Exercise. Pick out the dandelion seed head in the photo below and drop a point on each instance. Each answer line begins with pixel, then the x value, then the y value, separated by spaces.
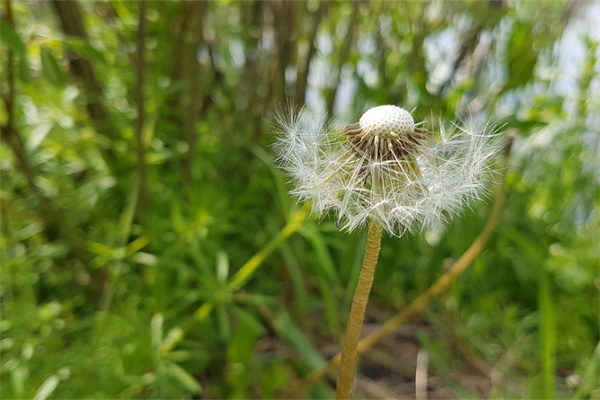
pixel 385 169
pixel 387 122
pixel 385 133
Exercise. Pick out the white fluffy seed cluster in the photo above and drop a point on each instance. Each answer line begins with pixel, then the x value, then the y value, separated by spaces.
pixel 383 120
pixel 408 193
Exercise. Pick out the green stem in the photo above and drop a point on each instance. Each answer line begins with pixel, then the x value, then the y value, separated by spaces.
pixel 246 271
pixel 252 264
pixel 357 313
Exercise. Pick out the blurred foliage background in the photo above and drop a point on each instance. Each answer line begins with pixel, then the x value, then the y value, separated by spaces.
pixel 137 179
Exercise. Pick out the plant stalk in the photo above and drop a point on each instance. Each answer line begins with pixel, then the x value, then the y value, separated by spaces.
pixel 246 271
pixel 140 70
pixel 357 313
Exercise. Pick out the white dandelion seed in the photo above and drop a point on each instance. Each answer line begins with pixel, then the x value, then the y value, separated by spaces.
pixel 386 169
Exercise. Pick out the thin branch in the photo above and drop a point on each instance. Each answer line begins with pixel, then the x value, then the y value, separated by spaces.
pixel 141 111
pixel 467 46
pixel 304 70
pixel 344 55
pixel 9 99
pixel 9 132
pixel 173 112
pixel 72 23
pixel 252 22
pixel 416 65
pixel 284 24
pixel 418 304
pixel 195 100
pixel 181 38
pixel 257 69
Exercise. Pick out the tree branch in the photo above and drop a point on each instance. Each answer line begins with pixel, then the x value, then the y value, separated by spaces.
pixel 304 69
pixel 193 106
pixel 8 132
pixel 344 55
pixel 141 112
pixel 71 20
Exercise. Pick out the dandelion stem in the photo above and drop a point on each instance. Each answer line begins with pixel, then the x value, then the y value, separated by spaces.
pixel 357 313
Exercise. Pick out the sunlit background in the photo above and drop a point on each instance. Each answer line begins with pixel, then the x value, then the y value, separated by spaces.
pixel 137 179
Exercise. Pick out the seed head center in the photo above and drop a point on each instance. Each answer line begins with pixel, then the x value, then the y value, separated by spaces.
pixel 388 122
pixel 384 133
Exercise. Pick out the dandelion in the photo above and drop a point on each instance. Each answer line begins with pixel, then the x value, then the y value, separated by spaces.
pixel 385 169
pixel 388 173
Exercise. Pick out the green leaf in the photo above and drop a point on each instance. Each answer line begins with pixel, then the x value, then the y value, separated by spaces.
pixel 326 272
pixel 18 376
pixel 297 279
pixel 248 322
pixel 126 219
pixel 255 299
pixel 156 330
pixel 285 327
pixel 50 68
pixel 123 12
pixel 222 266
pixel 174 336
pixel 10 38
pixel 84 49
pixel 144 258
pixel 326 264
pixel 591 376
pixel 47 388
pixel 100 248
pixel 248 331
pixel 522 57
pixel 29 230
pixel 23 68
pixel 37 135
pixel 223 321
pixel 178 356
pixel 136 245
pixel 187 381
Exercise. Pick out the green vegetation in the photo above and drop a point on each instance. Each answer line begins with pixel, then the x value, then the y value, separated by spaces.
pixel 149 248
